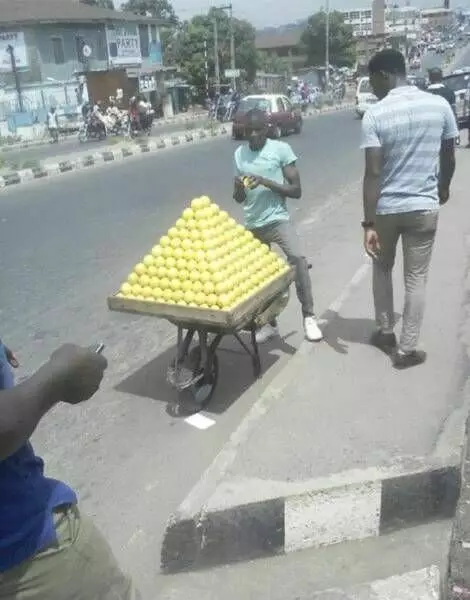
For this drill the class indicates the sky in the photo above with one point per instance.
(265, 13)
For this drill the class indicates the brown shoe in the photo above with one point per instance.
(387, 342)
(409, 359)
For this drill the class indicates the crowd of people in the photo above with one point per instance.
(48, 549)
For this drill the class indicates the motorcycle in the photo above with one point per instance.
(141, 125)
(92, 129)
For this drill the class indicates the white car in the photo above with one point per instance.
(364, 96)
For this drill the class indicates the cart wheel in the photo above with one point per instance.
(203, 390)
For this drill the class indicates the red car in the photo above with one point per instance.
(283, 117)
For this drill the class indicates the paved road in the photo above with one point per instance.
(72, 145)
(66, 244)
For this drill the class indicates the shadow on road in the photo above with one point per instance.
(235, 376)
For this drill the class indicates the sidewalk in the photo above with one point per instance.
(341, 446)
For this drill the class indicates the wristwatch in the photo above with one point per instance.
(367, 224)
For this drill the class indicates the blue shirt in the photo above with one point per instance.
(409, 126)
(27, 498)
(262, 206)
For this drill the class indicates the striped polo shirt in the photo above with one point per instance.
(409, 126)
(262, 206)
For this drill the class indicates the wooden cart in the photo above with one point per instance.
(196, 368)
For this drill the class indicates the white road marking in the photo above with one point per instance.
(200, 421)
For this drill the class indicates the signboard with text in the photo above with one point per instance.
(124, 45)
(15, 39)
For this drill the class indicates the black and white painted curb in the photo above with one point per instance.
(319, 516)
(108, 155)
(45, 141)
(118, 153)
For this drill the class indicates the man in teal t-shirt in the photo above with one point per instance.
(271, 168)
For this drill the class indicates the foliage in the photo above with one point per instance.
(100, 3)
(186, 48)
(160, 9)
(271, 63)
(342, 44)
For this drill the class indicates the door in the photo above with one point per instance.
(290, 118)
(282, 119)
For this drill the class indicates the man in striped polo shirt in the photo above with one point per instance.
(265, 176)
(408, 138)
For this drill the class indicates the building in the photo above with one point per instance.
(283, 44)
(382, 20)
(59, 52)
(360, 20)
(437, 18)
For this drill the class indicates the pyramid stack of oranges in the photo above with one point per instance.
(205, 260)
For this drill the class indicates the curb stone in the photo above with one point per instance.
(349, 508)
(112, 154)
(44, 142)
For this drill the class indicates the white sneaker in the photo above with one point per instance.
(313, 333)
(266, 333)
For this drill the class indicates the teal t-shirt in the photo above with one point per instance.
(263, 206)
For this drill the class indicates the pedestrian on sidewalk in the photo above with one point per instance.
(271, 169)
(53, 125)
(408, 138)
(48, 549)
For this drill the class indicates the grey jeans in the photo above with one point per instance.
(417, 231)
(284, 235)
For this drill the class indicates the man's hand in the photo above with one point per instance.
(253, 181)
(11, 358)
(78, 372)
(444, 195)
(239, 191)
(371, 243)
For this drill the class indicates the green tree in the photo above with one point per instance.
(160, 9)
(100, 3)
(186, 48)
(342, 44)
(271, 63)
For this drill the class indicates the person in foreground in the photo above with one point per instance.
(408, 138)
(265, 175)
(48, 549)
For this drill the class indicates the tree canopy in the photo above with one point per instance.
(160, 9)
(100, 3)
(342, 44)
(186, 47)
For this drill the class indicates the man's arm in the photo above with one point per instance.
(291, 188)
(447, 154)
(373, 166)
(372, 182)
(239, 191)
(72, 375)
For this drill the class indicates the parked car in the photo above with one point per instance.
(364, 96)
(283, 117)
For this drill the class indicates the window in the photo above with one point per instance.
(144, 40)
(58, 50)
(279, 105)
(153, 33)
(287, 104)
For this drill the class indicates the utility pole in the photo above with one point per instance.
(216, 56)
(327, 44)
(232, 49)
(229, 7)
(206, 68)
(16, 75)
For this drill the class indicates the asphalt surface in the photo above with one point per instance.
(71, 145)
(66, 244)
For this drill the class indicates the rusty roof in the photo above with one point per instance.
(267, 40)
(37, 12)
